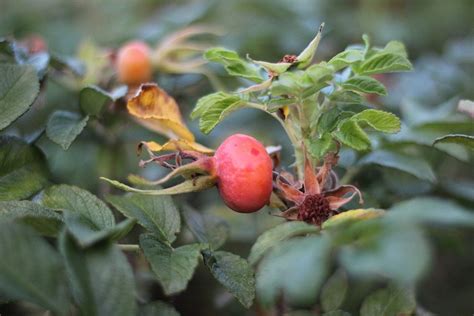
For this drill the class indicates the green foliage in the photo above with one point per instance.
(157, 214)
(158, 308)
(44, 220)
(334, 291)
(173, 267)
(410, 164)
(23, 169)
(101, 278)
(364, 84)
(206, 228)
(346, 58)
(214, 108)
(89, 220)
(321, 106)
(31, 269)
(76, 200)
(390, 301)
(378, 253)
(276, 235)
(234, 65)
(299, 281)
(351, 134)
(19, 87)
(465, 140)
(434, 211)
(93, 100)
(234, 273)
(63, 127)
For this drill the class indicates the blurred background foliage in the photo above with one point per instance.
(439, 36)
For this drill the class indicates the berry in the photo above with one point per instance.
(134, 63)
(244, 173)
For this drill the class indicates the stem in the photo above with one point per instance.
(289, 132)
(129, 247)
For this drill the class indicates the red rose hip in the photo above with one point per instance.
(134, 63)
(244, 173)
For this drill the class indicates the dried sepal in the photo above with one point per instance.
(196, 184)
(176, 145)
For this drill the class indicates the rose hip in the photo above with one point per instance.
(244, 172)
(134, 63)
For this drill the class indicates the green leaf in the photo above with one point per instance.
(87, 234)
(234, 273)
(295, 269)
(173, 267)
(432, 210)
(206, 228)
(346, 58)
(306, 56)
(328, 120)
(286, 84)
(396, 47)
(157, 214)
(320, 74)
(214, 108)
(383, 62)
(386, 248)
(461, 188)
(334, 291)
(234, 65)
(352, 216)
(379, 120)
(8, 48)
(464, 140)
(31, 270)
(23, 169)
(101, 278)
(157, 308)
(364, 84)
(88, 219)
(63, 127)
(216, 112)
(76, 200)
(388, 302)
(426, 135)
(19, 87)
(346, 97)
(92, 100)
(318, 147)
(416, 166)
(276, 235)
(206, 102)
(352, 135)
(44, 220)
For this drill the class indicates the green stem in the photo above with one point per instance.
(289, 132)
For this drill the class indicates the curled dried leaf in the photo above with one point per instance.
(157, 111)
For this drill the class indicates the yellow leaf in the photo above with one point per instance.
(352, 215)
(159, 112)
(178, 145)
